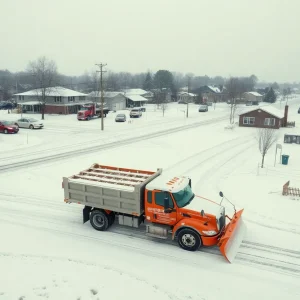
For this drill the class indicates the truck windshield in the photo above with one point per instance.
(184, 197)
(84, 108)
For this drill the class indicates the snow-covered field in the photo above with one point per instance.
(46, 251)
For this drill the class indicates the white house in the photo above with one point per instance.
(185, 97)
(113, 100)
(59, 100)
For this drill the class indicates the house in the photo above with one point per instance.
(59, 100)
(264, 117)
(136, 97)
(185, 97)
(113, 100)
(253, 97)
(211, 93)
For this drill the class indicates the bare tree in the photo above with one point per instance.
(233, 89)
(266, 138)
(45, 75)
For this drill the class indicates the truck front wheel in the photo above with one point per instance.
(189, 239)
(99, 220)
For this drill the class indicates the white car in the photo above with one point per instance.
(30, 123)
(135, 113)
(203, 108)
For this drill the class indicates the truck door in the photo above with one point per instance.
(158, 215)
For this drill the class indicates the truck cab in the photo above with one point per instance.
(90, 110)
(171, 202)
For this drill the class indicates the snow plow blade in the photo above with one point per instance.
(232, 237)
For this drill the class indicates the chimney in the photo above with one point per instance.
(285, 118)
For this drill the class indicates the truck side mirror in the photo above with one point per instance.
(190, 183)
(221, 194)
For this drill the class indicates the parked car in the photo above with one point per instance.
(30, 123)
(120, 118)
(6, 105)
(135, 113)
(143, 109)
(203, 108)
(8, 127)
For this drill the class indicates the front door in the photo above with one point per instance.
(159, 216)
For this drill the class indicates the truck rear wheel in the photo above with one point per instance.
(99, 220)
(189, 239)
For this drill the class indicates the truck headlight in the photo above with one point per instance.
(209, 232)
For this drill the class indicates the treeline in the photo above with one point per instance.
(117, 81)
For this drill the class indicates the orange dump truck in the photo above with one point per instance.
(164, 204)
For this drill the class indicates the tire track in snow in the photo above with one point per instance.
(101, 147)
(253, 255)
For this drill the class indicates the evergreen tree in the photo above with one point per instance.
(148, 84)
(270, 97)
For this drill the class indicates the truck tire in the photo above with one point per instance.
(189, 240)
(88, 118)
(99, 220)
(111, 218)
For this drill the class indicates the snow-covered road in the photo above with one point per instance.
(46, 251)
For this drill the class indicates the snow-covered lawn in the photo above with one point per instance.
(46, 251)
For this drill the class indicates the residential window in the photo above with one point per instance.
(269, 121)
(160, 198)
(248, 120)
(57, 99)
(71, 99)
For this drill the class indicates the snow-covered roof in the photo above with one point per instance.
(135, 92)
(30, 103)
(168, 183)
(106, 94)
(215, 89)
(136, 98)
(266, 108)
(186, 93)
(56, 91)
(254, 94)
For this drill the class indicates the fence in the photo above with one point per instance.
(287, 190)
(290, 124)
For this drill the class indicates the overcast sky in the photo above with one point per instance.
(212, 37)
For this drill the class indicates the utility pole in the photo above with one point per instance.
(188, 98)
(101, 87)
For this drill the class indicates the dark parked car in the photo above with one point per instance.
(120, 118)
(8, 127)
(7, 105)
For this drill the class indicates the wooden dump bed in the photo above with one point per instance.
(111, 188)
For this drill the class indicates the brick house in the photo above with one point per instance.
(264, 117)
(59, 100)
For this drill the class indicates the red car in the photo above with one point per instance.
(8, 127)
